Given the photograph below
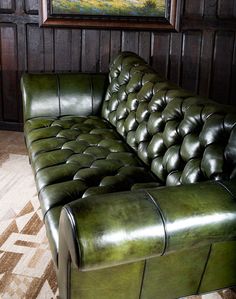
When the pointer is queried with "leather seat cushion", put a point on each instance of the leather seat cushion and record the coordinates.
(74, 157)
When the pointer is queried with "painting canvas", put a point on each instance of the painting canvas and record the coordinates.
(111, 14)
(135, 8)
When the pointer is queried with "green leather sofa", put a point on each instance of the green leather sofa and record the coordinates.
(136, 178)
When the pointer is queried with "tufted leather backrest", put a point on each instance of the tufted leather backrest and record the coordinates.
(183, 138)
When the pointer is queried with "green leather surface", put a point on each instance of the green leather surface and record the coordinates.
(196, 214)
(51, 221)
(40, 96)
(221, 267)
(114, 230)
(121, 282)
(79, 156)
(62, 94)
(182, 137)
(118, 228)
(174, 275)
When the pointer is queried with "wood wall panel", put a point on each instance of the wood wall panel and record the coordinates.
(130, 41)
(76, 42)
(35, 49)
(191, 52)
(222, 65)
(194, 8)
(31, 6)
(205, 77)
(7, 6)
(145, 45)
(63, 51)
(175, 57)
(48, 42)
(104, 58)
(226, 8)
(115, 43)
(9, 74)
(160, 60)
(201, 57)
(90, 50)
(210, 8)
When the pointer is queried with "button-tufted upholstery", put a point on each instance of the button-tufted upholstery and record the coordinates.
(75, 157)
(89, 139)
(181, 137)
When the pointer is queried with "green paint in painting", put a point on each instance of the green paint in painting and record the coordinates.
(147, 8)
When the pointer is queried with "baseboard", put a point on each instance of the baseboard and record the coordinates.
(11, 126)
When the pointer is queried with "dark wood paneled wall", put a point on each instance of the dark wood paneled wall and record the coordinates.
(201, 57)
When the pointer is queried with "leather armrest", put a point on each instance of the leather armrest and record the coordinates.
(107, 230)
(53, 95)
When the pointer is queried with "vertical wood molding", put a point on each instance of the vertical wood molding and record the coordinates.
(206, 63)
(145, 45)
(63, 42)
(90, 50)
(175, 57)
(104, 58)
(130, 41)
(222, 62)
(48, 40)
(161, 50)
(191, 52)
(115, 44)
(9, 72)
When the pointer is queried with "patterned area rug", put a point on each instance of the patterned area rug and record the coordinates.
(26, 268)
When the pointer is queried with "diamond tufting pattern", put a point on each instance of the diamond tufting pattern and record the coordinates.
(183, 138)
(79, 156)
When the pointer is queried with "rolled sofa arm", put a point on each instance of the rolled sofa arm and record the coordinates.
(57, 94)
(117, 228)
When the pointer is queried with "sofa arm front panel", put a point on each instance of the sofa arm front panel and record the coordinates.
(125, 227)
(111, 229)
(54, 95)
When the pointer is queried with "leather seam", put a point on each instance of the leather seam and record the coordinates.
(143, 275)
(204, 269)
(163, 221)
(226, 188)
(75, 234)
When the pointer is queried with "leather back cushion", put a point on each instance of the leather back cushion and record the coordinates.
(53, 95)
(182, 137)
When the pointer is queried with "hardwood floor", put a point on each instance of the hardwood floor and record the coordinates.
(12, 143)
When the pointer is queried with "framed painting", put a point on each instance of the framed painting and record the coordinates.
(111, 14)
